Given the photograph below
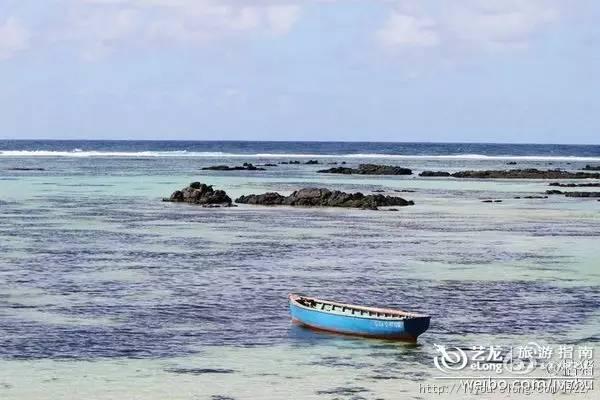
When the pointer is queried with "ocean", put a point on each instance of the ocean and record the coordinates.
(145, 148)
(106, 292)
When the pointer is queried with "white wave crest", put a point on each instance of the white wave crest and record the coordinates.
(185, 153)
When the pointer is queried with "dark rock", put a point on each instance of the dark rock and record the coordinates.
(589, 167)
(312, 162)
(530, 173)
(332, 163)
(491, 201)
(531, 197)
(593, 184)
(290, 162)
(434, 173)
(582, 194)
(392, 209)
(244, 167)
(268, 165)
(199, 371)
(339, 170)
(199, 193)
(403, 191)
(25, 169)
(319, 197)
(574, 194)
(374, 169)
(219, 168)
(265, 199)
(369, 169)
(511, 163)
(177, 196)
(378, 191)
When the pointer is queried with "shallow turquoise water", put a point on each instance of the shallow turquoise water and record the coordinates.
(103, 283)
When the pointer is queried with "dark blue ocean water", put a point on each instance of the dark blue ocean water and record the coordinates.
(317, 148)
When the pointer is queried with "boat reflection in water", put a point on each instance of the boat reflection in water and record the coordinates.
(356, 320)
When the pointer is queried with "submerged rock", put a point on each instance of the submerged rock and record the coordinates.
(202, 194)
(320, 197)
(312, 162)
(434, 173)
(589, 167)
(582, 194)
(574, 194)
(530, 173)
(369, 169)
(25, 169)
(243, 167)
(593, 184)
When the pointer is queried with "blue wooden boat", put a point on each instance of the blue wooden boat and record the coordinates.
(357, 320)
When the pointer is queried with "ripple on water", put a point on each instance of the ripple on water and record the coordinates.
(134, 277)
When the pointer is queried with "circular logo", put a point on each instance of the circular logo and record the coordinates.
(450, 358)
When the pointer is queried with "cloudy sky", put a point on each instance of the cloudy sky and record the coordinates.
(420, 70)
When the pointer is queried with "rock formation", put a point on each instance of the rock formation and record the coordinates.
(320, 197)
(244, 167)
(369, 169)
(592, 184)
(530, 173)
(434, 173)
(199, 193)
(589, 167)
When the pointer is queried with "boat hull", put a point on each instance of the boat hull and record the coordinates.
(407, 329)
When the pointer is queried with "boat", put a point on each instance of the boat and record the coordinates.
(382, 323)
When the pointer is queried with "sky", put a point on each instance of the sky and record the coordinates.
(347, 70)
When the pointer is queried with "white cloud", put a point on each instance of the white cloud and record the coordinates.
(106, 24)
(408, 30)
(281, 18)
(501, 24)
(478, 24)
(14, 37)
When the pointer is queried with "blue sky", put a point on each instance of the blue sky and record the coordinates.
(380, 70)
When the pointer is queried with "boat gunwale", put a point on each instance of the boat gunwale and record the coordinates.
(397, 315)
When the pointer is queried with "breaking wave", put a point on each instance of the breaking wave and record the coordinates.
(184, 153)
